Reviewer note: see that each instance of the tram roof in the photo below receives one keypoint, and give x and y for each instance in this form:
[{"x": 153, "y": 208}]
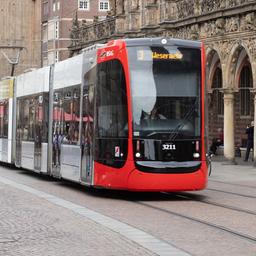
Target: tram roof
[{"x": 162, "y": 41}]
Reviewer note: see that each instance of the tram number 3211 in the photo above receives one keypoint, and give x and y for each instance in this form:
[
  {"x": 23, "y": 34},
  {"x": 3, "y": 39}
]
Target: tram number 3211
[{"x": 168, "y": 147}]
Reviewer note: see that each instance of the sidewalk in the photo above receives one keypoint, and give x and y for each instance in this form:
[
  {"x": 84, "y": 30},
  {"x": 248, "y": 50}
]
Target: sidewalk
[
  {"x": 238, "y": 160},
  {"x": 32, "y": 226},
  {"x": 241, "y": 173}
]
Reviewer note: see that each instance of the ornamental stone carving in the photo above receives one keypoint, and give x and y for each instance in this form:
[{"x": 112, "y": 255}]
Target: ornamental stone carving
[
  {"x": 194, "y": 32},
  {"x": 220, "y": 26},
  {"x": 232, "y": 24},
  {"x": 185, "y": 9},
  {"x": 221, "y": 23},
  {"x": 251, "y": 46},
  {"x": 248, "y": 22},
  {"x": 232, "y": 3},
  {"x": 224, "y": 48},
  {"x": 210, "y": 5}
]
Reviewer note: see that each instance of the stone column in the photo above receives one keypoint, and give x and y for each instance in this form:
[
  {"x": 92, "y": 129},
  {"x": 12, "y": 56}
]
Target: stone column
[
  {"x": 253, "y": 91},
  {"x": 229, "y": 141}
]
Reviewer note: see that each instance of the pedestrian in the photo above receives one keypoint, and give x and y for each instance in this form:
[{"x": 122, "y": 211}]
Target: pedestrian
[
  {"x": 216, "y": 142},
  {"x": 249, "y": 144}
]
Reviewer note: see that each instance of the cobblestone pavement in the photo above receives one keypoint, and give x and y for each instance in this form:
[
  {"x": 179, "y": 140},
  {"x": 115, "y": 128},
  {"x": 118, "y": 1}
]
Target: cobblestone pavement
[{"x": 31, "y": 226}]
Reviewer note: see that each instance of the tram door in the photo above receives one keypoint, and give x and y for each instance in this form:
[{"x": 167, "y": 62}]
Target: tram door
[
  {"x": 87, "y": 134},
  {"x": 38, "y": 132}
]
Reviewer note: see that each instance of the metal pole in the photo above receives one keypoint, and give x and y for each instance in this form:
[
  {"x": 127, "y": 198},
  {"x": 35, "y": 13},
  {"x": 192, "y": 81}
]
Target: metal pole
[{"x": 13, "y": 68}]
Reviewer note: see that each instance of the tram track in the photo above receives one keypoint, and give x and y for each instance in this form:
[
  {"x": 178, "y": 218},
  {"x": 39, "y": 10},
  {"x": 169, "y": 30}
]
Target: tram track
[
  {"x": 184, "y": 196},
  {"x": 231, "y": 193},
  {"x": 207, "y": 223},
  {"x": 233, "y": 184},
  {"x": 208, "y": 202}
]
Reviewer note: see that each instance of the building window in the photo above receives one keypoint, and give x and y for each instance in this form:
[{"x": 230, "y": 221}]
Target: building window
[
  {"x": 217, "y": 95},
  {"x": 83, "y": 5},
  {"x": 104, "y": 5},
  {"x": 245, "y": 83}
]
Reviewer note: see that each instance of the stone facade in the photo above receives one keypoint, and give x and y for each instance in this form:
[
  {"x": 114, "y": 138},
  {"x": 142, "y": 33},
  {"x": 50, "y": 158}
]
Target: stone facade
[
  {"x": 228, "y": 30},
  {"x": 20, "y": 23}
]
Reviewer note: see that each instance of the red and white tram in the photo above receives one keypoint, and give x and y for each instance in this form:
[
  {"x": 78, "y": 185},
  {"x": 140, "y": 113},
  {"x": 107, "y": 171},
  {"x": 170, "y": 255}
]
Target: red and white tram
[{"x": 126, "y": 115}]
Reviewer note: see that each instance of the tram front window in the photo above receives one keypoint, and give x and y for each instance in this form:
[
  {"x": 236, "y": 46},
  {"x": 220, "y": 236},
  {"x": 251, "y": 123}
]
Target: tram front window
[{"x": 165, "y": 87}]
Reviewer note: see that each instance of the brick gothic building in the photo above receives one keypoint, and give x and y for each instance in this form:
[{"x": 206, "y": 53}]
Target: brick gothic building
[
  {"x": 228, "y": 29},
  {"x": 57, "y": 16}
]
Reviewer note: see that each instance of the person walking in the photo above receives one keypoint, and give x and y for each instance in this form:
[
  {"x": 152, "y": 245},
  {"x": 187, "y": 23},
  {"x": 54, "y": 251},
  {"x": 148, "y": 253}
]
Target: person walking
[{"x": 249, "y": 145}]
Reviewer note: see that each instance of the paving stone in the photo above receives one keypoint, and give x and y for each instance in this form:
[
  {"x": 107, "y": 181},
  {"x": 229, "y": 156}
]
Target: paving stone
[{"x": 31, "y": 226}]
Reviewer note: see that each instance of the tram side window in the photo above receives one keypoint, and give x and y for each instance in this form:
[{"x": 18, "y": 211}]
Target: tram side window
[
  {"x": 31, "y": 125},
  {"x": 4, "y": 108},
  {"x": 18, "y": 118},
  {"x": 41, "y": 117},
  {"x": 27, "y": 118},
  {"x": 1, "y": 118},
  {"x": 67, "y": 118},
  {"x": 58, "y": 113},
  {"x": 45, "y": 107},
  {"x": 76, "y": 114},
  {"x": 111, "y": 100},
  {"x": 24, "y": 118},
  {"x": 71, "y": 118}
]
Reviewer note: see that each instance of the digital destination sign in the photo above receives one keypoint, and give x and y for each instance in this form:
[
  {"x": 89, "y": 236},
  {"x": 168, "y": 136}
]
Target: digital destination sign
[
  {"x": 159, "y": 54},
  {"x": 167, "y": 56}
]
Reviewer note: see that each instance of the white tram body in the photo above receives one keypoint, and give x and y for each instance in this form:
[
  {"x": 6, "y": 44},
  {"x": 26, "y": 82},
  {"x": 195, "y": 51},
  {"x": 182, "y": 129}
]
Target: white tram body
[
  {"x": 39, "y": 105},
  {"x": 31, "y": 93},
  {"x": 6, "y": 119}
]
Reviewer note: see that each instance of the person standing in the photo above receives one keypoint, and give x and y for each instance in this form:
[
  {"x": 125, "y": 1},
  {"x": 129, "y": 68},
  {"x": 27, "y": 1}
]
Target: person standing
[{"x": 250, "y": 135}]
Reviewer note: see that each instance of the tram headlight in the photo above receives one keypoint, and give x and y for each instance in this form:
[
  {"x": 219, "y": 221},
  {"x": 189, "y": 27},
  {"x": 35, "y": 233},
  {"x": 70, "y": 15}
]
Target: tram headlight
[
  {"x": 196, "y": 155},
  {"x": 138, "y": 155}
]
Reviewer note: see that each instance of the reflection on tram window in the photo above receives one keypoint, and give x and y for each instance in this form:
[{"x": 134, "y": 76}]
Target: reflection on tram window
[
  {"x": 45, "y": 117},
  {"x": 4, "y": 109},
  {"x": 111, "y": 101},
  {"x": 32, "y": 118},
  {"x": 31, "y": 128},
  {"x": 112, "y": 115},
  {"x": 66, "y": 114},
  {"x": 25, "y": 118}
]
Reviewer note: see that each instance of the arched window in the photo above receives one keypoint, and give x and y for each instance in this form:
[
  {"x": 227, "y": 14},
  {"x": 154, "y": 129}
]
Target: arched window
[
  {"x": 216, "y": 86},
  {"x": 245, "y": 83}
]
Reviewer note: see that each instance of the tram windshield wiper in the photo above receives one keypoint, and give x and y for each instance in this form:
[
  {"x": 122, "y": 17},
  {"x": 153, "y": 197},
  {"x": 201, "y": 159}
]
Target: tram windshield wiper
[{"x": 175, "y": 132}]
